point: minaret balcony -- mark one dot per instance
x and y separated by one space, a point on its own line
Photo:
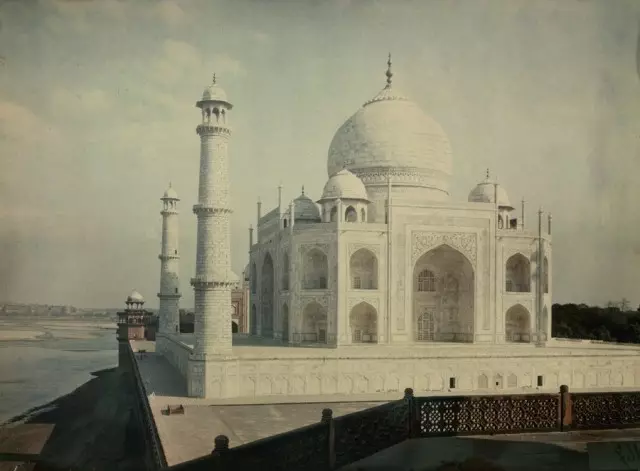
169 295
208 209
204 282
168 257
211 128
168 212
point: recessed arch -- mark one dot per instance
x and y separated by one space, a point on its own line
544 324
517 324
333 214
253 320
443 296
254 278
363 322
545 274
363 269
267 294
285 272
350 214
363 215
314 323
285 322
315 269
234 327
518 274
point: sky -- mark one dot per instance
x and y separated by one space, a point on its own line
97 116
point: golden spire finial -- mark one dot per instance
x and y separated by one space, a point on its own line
389 74
488 175
303 190
213 82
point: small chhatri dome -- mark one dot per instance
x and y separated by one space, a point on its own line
485 192
135 298
305 210
215 93
170 194
344 185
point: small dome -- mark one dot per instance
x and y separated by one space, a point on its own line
170 194
214 93
305 209
486 191
344 185
135 297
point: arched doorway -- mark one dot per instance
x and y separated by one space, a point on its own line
314 323
234 327
267 282
363 322
517 324
443 296
350 214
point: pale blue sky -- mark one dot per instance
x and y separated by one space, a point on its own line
97 116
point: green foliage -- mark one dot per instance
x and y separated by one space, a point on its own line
614 323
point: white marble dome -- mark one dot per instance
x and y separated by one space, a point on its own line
135 297
214 93
305 209
391 135
486 192
344 185
170 194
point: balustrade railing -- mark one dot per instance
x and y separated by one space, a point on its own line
336 442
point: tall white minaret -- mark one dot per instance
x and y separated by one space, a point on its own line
169 294
213 281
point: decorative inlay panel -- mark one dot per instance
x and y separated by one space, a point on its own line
305 248
323 300
465 242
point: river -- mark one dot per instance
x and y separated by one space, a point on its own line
43 360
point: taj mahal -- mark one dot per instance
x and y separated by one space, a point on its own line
380 283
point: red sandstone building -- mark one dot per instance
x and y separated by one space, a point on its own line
134 323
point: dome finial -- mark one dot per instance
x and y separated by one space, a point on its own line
488 175
303 190
389 74
213 82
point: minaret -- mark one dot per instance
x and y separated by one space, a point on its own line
169 316
213 281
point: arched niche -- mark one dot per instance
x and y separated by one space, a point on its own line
363 269
315 270
285 272
517 324
314 323
267 295
363 322
518 274
285 322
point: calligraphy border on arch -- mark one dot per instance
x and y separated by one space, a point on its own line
373 248
372 300
423 241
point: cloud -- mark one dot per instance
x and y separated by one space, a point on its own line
78 15
171 13
261 37
79 102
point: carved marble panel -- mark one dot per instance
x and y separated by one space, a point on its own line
465 242
353 248
323 300
355 300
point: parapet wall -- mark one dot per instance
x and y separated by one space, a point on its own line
176 352
539 370
155 458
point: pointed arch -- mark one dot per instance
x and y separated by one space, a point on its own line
254 278
285 272
517 324
315 269
350 214
518 274
333 214
234 327
443 296
545 275
363 215
363 322
285 322
253 320
544 324
267 288
363 269
483 381
314 323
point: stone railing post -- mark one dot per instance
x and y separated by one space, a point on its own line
565 408
221 446
413 427
327 418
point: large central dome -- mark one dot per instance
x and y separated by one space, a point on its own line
391 137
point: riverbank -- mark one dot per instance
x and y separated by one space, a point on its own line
94 428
